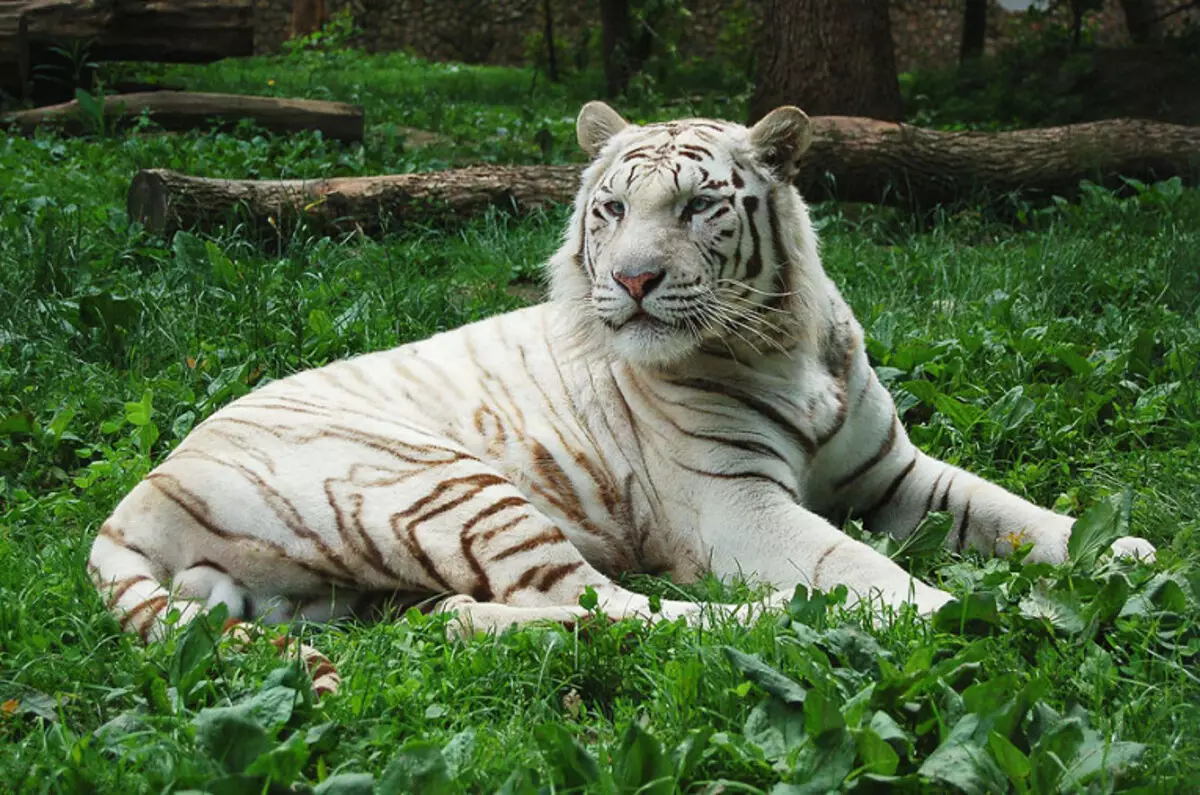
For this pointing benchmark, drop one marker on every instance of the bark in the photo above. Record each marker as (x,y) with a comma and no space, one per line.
(548,35)
(177,110)
(616,34)
(1141,18)
(169,31)
(974,34)
(827,57)
(307,16)
(14,55)
(164,201)
(852,159)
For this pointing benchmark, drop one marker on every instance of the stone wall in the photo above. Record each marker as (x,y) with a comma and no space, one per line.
(926,32)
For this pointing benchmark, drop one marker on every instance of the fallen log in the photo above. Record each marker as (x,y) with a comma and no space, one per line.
(852,159)
(164,201)
(178,110)
(857,159)
(171,31)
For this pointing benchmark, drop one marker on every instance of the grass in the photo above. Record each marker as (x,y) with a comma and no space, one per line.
(1056,355)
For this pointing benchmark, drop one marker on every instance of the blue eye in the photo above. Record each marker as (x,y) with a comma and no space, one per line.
(698,204)
(615,208)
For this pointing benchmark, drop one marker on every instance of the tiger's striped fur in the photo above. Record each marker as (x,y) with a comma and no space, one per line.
(695,397)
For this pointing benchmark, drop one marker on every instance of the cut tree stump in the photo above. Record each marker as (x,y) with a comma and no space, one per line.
(852,159)
(178,110)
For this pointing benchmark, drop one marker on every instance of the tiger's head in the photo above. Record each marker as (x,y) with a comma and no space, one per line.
(689,236)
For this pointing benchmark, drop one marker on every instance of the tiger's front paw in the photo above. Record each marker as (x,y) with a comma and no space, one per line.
(1133,547)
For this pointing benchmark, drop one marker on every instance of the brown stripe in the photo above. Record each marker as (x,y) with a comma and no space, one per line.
(892,488)
(551,536)
(154,604)
(962,528)
(944,503)
(324,669)
(790,491)
(932,493)
(120,587)
(754,404)
(867,465)
(555,575)
(816,575)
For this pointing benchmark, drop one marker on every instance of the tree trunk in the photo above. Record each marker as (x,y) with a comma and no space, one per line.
(307,16)
(548,35)
(177,110)
(616,35)
(974,34)
(14,55)
(1141,18)
(852,159)
(827,57)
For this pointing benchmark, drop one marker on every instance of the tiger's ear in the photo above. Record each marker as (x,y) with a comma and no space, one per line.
(780,138)
(596,124)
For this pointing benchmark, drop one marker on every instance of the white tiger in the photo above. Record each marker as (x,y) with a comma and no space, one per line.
(694,397)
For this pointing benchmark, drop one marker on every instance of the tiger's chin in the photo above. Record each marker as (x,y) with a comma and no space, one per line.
(646,342)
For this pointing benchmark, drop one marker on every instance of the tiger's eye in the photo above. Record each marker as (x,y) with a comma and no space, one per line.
(615,208)
(698,204)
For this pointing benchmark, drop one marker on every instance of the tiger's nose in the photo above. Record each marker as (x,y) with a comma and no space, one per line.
(639,284)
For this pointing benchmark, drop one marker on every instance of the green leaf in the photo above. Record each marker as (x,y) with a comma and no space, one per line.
(21,422)
(928,538)
(230,737)
(974,614)
(877,754)
(459,751)
(140,413)
(1011,759)
(766,677)
(822,765)
(193,653)
(1107,603)
(418,766)
(189,250)
(639,764)
(1163,592)
(222,267)
(962,761)
(776,728)
(565,755)
(521,782)
(272,706)
(806,609)
(1098,757)
(1098,528)
(319,323)
(822,715)
(687,754)
(347,784)
(964,416)
(1057,746)
(1012,410)
(588,600)
(1058,607)
(282,764)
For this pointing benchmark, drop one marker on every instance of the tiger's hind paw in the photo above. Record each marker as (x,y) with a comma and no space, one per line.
(1133,547)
